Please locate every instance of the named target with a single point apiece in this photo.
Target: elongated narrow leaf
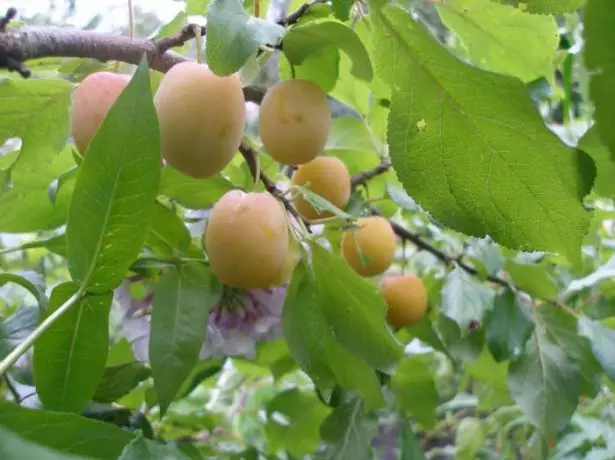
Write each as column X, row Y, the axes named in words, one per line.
column 182, row 300
column 65, row 432
column 193, row 193
column 355, row 310
column 29, row 280
column 599, row 56
column 115, row 190
column 70, row 357
column 602, row 341
column 118, row 381
column 503, row 38
column 141, row 448
column 314, row 345
column 233, row 35
column 13, row 446
column 318, row 36
column 167, row 235
column 472, row 150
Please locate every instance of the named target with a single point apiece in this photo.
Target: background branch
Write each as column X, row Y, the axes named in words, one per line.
column 362, row 178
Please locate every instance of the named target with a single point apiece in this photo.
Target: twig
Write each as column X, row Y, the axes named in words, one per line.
column 365, row 176
column 12, row 389
column 296, row 16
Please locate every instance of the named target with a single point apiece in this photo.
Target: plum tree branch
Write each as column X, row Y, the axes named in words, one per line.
column 293, row 18
column 364, row 177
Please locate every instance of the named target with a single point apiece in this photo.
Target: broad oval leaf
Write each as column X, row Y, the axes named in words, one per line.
column 317, row 36
column 167, row 235
column 115, row 189
column 193, row 193
column 602, row 340
column 415, row 389
column 471, row 149
column 534, row 279
column 592, row 144
column 141, row 448
column 183, row 298
column 119, row 380
column 70, row 356
column 13, row 446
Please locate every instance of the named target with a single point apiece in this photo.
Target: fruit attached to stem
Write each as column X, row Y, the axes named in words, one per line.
column 406, row 298
column 370, row 248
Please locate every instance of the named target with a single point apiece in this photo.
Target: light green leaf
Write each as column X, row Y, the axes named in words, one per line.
column 469, row 438
column 465, row 299
column 119, row 380
column 350, row 90
column 347, row 134
column 30, row 280
column 534, row 279
column 547, row 6
column 193, row 193
column 321, row 69
column 233, row 35
column 167, row 235
column 319, row 35
column 141, row 448
column 115, row 190
column 12, row 446
column 592, row 144
column 414, row 386
column 198, row 7
column 603, row 273
column 70, row 357
column 182, row 300
column 410, row 448
column 472, row 150
column 602, row 340
column 502, row 38
column 65, row 432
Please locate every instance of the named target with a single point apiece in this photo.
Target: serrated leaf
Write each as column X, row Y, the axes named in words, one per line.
column 599, row 57
column 508, row 326
column 347, row 432
column 547, row 6
column 12, row 446
column 465, row 299
column 415, row 389
column 15, row 328
column 355, row 312
column 602, row 340
column 233, row 35
column 298, row 433
column 65, row 432
column 460, row 344
column 502, row 38
column 141, row 448
column 319, row 35
column 70, row 356
column 115, row 189
column 183, row 298
column 193, row 193
column 30, row 280
column 167, row 235
column 534, row 279
column 313, row 344
column 119, row 380
column 592, row 144
column 545, row 383
column 476, row 155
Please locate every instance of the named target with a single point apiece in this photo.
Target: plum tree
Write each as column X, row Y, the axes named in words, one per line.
column 327, row 177
column 202, row 119
column 406, row 297
column 247, row 241
column 370, row 248
column 91, row 102
column 294, row 121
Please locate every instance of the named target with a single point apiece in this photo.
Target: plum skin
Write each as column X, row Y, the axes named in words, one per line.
column 376, row 240
column 406, row 297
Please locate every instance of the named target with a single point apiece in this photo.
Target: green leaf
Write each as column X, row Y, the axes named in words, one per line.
column 70, row 357
column 476, row 155
column 592, row 144
column 15, row 328
column 167, row 235
column 599, row 57
column 602, row 273
column 602, row 341
column 544, row 382
column 29, row 280
column 141, row 448
column 65, row 432
column 488, row 371
column 313, row 344
column 502, row 38
column 347, row 432
column 465, row 299
column 13, row 446
column 118, row 381
column 197, row 7
column 341, row 9
column 302, row 415
column 460, row 344
column 509, row 326
column 183, row 298
column 233, row 35
column 317, row 36
column 410, row 448
column 321, row 69
column 469, row 438
column 348, row 134
column 115, row 190
column 349, row 90
column 533, row 279
column 355, row 310
column 547, row 6
column 415, row 389
column 193, row 193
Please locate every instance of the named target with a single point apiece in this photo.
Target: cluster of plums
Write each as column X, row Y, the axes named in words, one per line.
column 248, row 239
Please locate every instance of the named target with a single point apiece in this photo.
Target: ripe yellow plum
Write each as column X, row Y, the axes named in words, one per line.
column 91, row 102
column 294, row 121
column 370, row 248
column 247, row 240
column 202, row 119
column 327, row 177
column 406, row 297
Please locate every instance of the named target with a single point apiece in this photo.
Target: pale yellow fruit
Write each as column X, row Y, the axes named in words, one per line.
column 247, row 240
column 370, row 248
column 91, row 102
column 327, row 177
column 202, row 119
column 406, row 297
column 294, row 121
